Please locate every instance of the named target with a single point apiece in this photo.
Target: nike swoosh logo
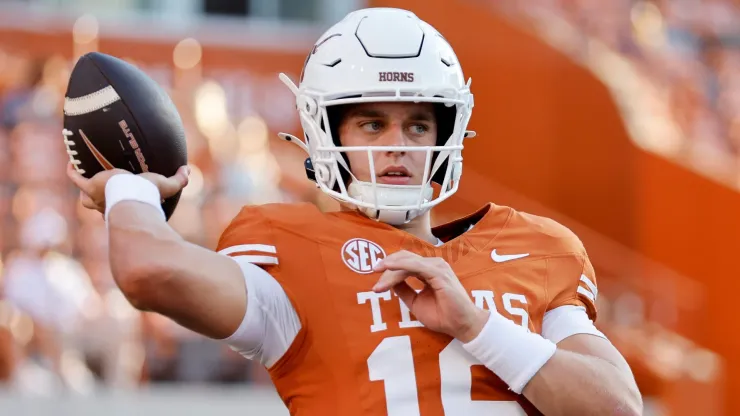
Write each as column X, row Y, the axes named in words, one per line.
column 98, row 156
column 500, row 258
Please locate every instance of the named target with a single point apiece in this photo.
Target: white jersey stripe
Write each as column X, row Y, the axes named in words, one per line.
column 586, row 293
column 260, row 248
column 590, row 285
column 91, row 102
column 258, row 259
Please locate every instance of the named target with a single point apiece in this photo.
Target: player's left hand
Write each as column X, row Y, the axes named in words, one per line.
column 443, row 305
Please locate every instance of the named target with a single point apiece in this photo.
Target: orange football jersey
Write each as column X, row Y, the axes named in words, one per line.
column 363, row 353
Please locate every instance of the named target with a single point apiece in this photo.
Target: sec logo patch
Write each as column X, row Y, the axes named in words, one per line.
column 360, row 255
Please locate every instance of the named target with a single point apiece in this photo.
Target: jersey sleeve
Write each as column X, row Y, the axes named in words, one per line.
column 571, row 279
column 271, row 323
column 567, row 320
column 250, row 237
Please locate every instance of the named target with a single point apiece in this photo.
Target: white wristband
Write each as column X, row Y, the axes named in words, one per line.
column 126, row 187
column 514, row 354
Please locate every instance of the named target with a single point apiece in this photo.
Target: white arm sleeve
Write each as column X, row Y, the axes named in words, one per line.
column 564, row 321
column 271, row 322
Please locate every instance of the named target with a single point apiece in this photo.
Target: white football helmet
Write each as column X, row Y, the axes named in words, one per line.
column 382, row 55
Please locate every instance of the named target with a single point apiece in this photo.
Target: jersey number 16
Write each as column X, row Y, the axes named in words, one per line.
column 392, row 362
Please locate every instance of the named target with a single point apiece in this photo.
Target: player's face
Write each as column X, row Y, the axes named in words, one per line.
column 389, row 124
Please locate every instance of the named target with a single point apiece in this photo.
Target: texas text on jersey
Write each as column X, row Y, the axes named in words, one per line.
column 353, row 351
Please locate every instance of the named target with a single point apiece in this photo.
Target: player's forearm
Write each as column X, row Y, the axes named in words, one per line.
column 159, row 271
column 575, row 384
column 581, row 375
column 139, row 246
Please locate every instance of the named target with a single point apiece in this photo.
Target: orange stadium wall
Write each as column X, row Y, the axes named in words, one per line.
column 693, row 225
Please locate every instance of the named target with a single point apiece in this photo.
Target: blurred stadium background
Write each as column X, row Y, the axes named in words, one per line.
column 619, row 118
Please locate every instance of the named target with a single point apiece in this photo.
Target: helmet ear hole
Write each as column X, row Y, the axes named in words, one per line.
column 308, row 105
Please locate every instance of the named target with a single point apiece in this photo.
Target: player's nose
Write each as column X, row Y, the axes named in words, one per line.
column 394, row 136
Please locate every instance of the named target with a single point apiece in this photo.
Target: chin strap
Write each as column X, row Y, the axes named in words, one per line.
column 391, row 217
column 393, row 195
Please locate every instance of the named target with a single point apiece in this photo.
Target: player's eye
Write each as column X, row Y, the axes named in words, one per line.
column 371, row 126
column 419, row 129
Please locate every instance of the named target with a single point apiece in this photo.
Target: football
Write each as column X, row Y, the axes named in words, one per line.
column 116, row 116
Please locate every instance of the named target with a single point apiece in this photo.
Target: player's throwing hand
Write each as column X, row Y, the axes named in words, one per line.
column 92, row 191
column 443, row 305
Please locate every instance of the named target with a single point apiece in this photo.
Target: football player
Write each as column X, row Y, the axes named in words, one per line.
column 370, row 310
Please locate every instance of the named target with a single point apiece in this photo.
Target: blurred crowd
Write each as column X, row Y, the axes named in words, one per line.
column 64, row 325
column 688, row 49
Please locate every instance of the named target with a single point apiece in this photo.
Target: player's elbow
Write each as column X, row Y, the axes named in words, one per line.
column 636, row 406
column 140, row 273
column 630, row 404
column 630, row 410
column 140, row 282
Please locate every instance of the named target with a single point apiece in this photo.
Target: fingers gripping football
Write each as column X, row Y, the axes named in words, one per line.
column 92, row 191
column 87, row 202
column 169, row 186
column 443, row 305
